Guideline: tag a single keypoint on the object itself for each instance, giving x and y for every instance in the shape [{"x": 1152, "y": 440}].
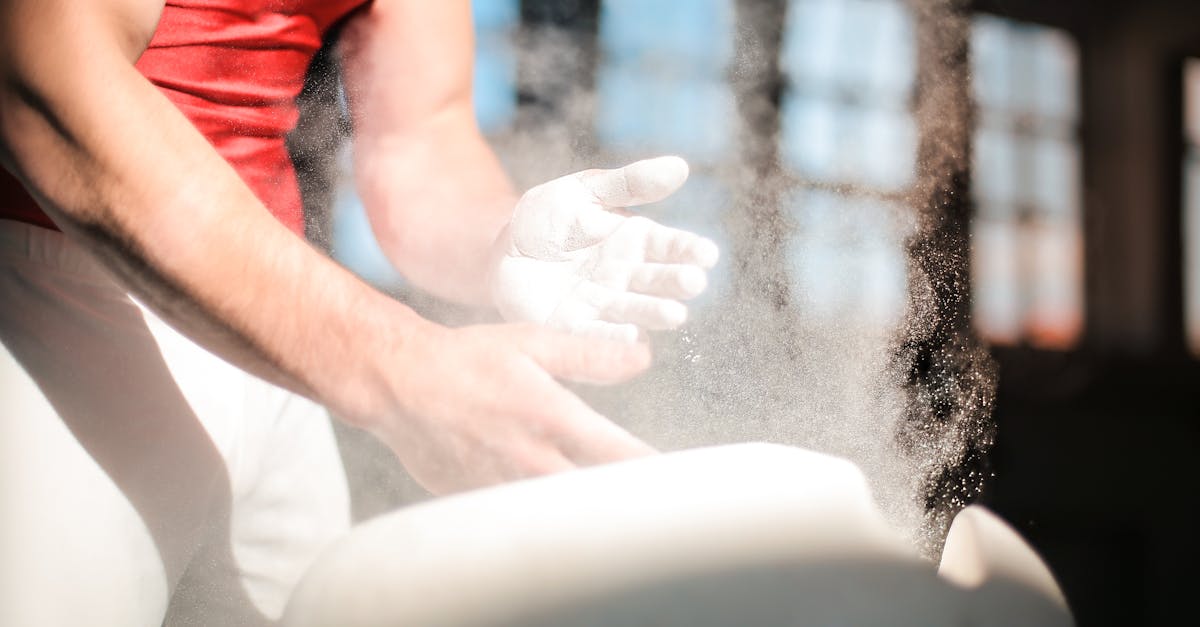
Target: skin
[
  {"x": 116, "y": 165},
  {"x": 407, "y": 73}
]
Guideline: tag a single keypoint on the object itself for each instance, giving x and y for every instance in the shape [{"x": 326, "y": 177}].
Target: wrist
[
  {"x": 499, "y": 250},
  {"x": 389, "y": 345}
]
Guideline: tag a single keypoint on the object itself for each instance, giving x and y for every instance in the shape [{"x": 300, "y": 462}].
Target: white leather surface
[{"x": 755, "y": 534}]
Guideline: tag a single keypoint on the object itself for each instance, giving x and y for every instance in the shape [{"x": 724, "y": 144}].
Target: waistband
[{"x": 25, "y": 243}]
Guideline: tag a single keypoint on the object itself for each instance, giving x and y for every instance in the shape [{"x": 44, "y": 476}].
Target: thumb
[
  {"x": 585, "y": 359},
  {"x": 638, "y": 183}
]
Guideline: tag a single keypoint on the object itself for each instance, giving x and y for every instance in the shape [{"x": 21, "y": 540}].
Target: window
[
  {"x": 1027, "y": 239},
  {"x": 849, "y": 139},
  {"x": 662, "y": 89}
]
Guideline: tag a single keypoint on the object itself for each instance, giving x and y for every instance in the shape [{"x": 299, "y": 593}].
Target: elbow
[
  {"x": 399, "y": 237},
  {"x": 26, "y": 148},
  {"x": 17, "y": 117},
  {"x": 413, "y": 247},
  {"x": 41, "y": 85},
  {"x": 25, "y": 112},
  {"x": 393, "y": 223},
  {"x": 39, "y": 150}
]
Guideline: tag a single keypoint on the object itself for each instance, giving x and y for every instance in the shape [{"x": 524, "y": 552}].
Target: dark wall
[{"x": 1096, "y": 447}]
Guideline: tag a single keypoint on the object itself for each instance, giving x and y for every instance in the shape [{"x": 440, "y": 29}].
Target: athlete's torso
[{"x": 234, "y": 68}]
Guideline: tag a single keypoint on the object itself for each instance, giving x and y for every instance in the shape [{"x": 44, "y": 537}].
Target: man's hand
[
  {"x": 480, "y": 405},
  {"x": 573, "y": 259}
]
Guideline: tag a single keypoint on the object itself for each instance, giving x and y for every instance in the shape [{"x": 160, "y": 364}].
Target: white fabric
[
  {"x": 134, "y": 465},
  {"x": 575, "y": 261}
]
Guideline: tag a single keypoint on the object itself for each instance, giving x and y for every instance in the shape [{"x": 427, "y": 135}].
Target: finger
[
  {"x": 593, "y": 439},
  {"x": 545, "y": 461},
  {"x": 601, "y": 330},
  {"x": 622, "y": 307},
  {"x": 638, "y": 183},
  {"x": 675, "y": 281},
  {"x": 648, "y": 312},
  {"x": 585, "y": 359},
  {"x": 667, "y": 245},
  {"x": 513, "y": 457}
]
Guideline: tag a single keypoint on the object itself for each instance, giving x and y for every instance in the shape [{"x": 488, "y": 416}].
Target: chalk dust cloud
[{"x": 906, "y": 395}]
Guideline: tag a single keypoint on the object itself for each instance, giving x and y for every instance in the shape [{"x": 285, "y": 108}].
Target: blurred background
[{"x": 1037, "y": 164}]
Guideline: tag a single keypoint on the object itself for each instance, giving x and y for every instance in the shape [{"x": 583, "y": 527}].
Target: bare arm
[
  {"x": 571, "y": 257},
  {"x": 81, "y": 126},
  {"x": 121, "y": 170},
  {"x": 435, "y": 193}
]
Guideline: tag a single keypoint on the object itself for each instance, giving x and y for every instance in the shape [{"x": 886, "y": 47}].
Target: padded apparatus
[{"x": 745, "y": 534}]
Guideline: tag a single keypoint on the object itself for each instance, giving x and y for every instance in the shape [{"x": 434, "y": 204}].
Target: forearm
[
  {"x": 120, "y": 169},
  {"x": 437, "y": 199}
]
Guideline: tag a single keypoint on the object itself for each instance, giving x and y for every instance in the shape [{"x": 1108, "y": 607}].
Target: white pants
[{"x": 142, "y": 479}]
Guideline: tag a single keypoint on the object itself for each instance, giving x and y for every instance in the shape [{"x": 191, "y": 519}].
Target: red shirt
[{"x": 234, "y": 68}]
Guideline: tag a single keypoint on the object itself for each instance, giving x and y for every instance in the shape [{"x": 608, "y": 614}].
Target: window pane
[
  {"x": 1024, "y": 57},
  {"x": 994, "y": 172},
  {"x": 887, "y": 158},
  {"x": 1055, "y": 317},
  {"x": 863, "y": 46},
  {"x": 495, "y": 62},
  {"x": 649, "y": 115},
  {"x": 661, "y": 83},
  {"x": 990, "y": 61},
  {"x": 847, "y": 259},
  {"x": 682, "y": 38},
  {"x": 1057, "y": 69},
  {"x": 996, "y": 289},
  {"x": 880, "y": 56},
  {"x": 1055, "y": 177},
  {"x": 811, "y": 43},
  {"x": 810, "y": 136}
]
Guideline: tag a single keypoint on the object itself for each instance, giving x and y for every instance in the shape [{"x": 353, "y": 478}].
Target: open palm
[{"x": 575, "y": 260}]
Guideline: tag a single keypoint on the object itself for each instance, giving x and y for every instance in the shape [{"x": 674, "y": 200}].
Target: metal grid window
[
  {"x": 1027, "y": 234},
  {"x": 849, "y": 140}
]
